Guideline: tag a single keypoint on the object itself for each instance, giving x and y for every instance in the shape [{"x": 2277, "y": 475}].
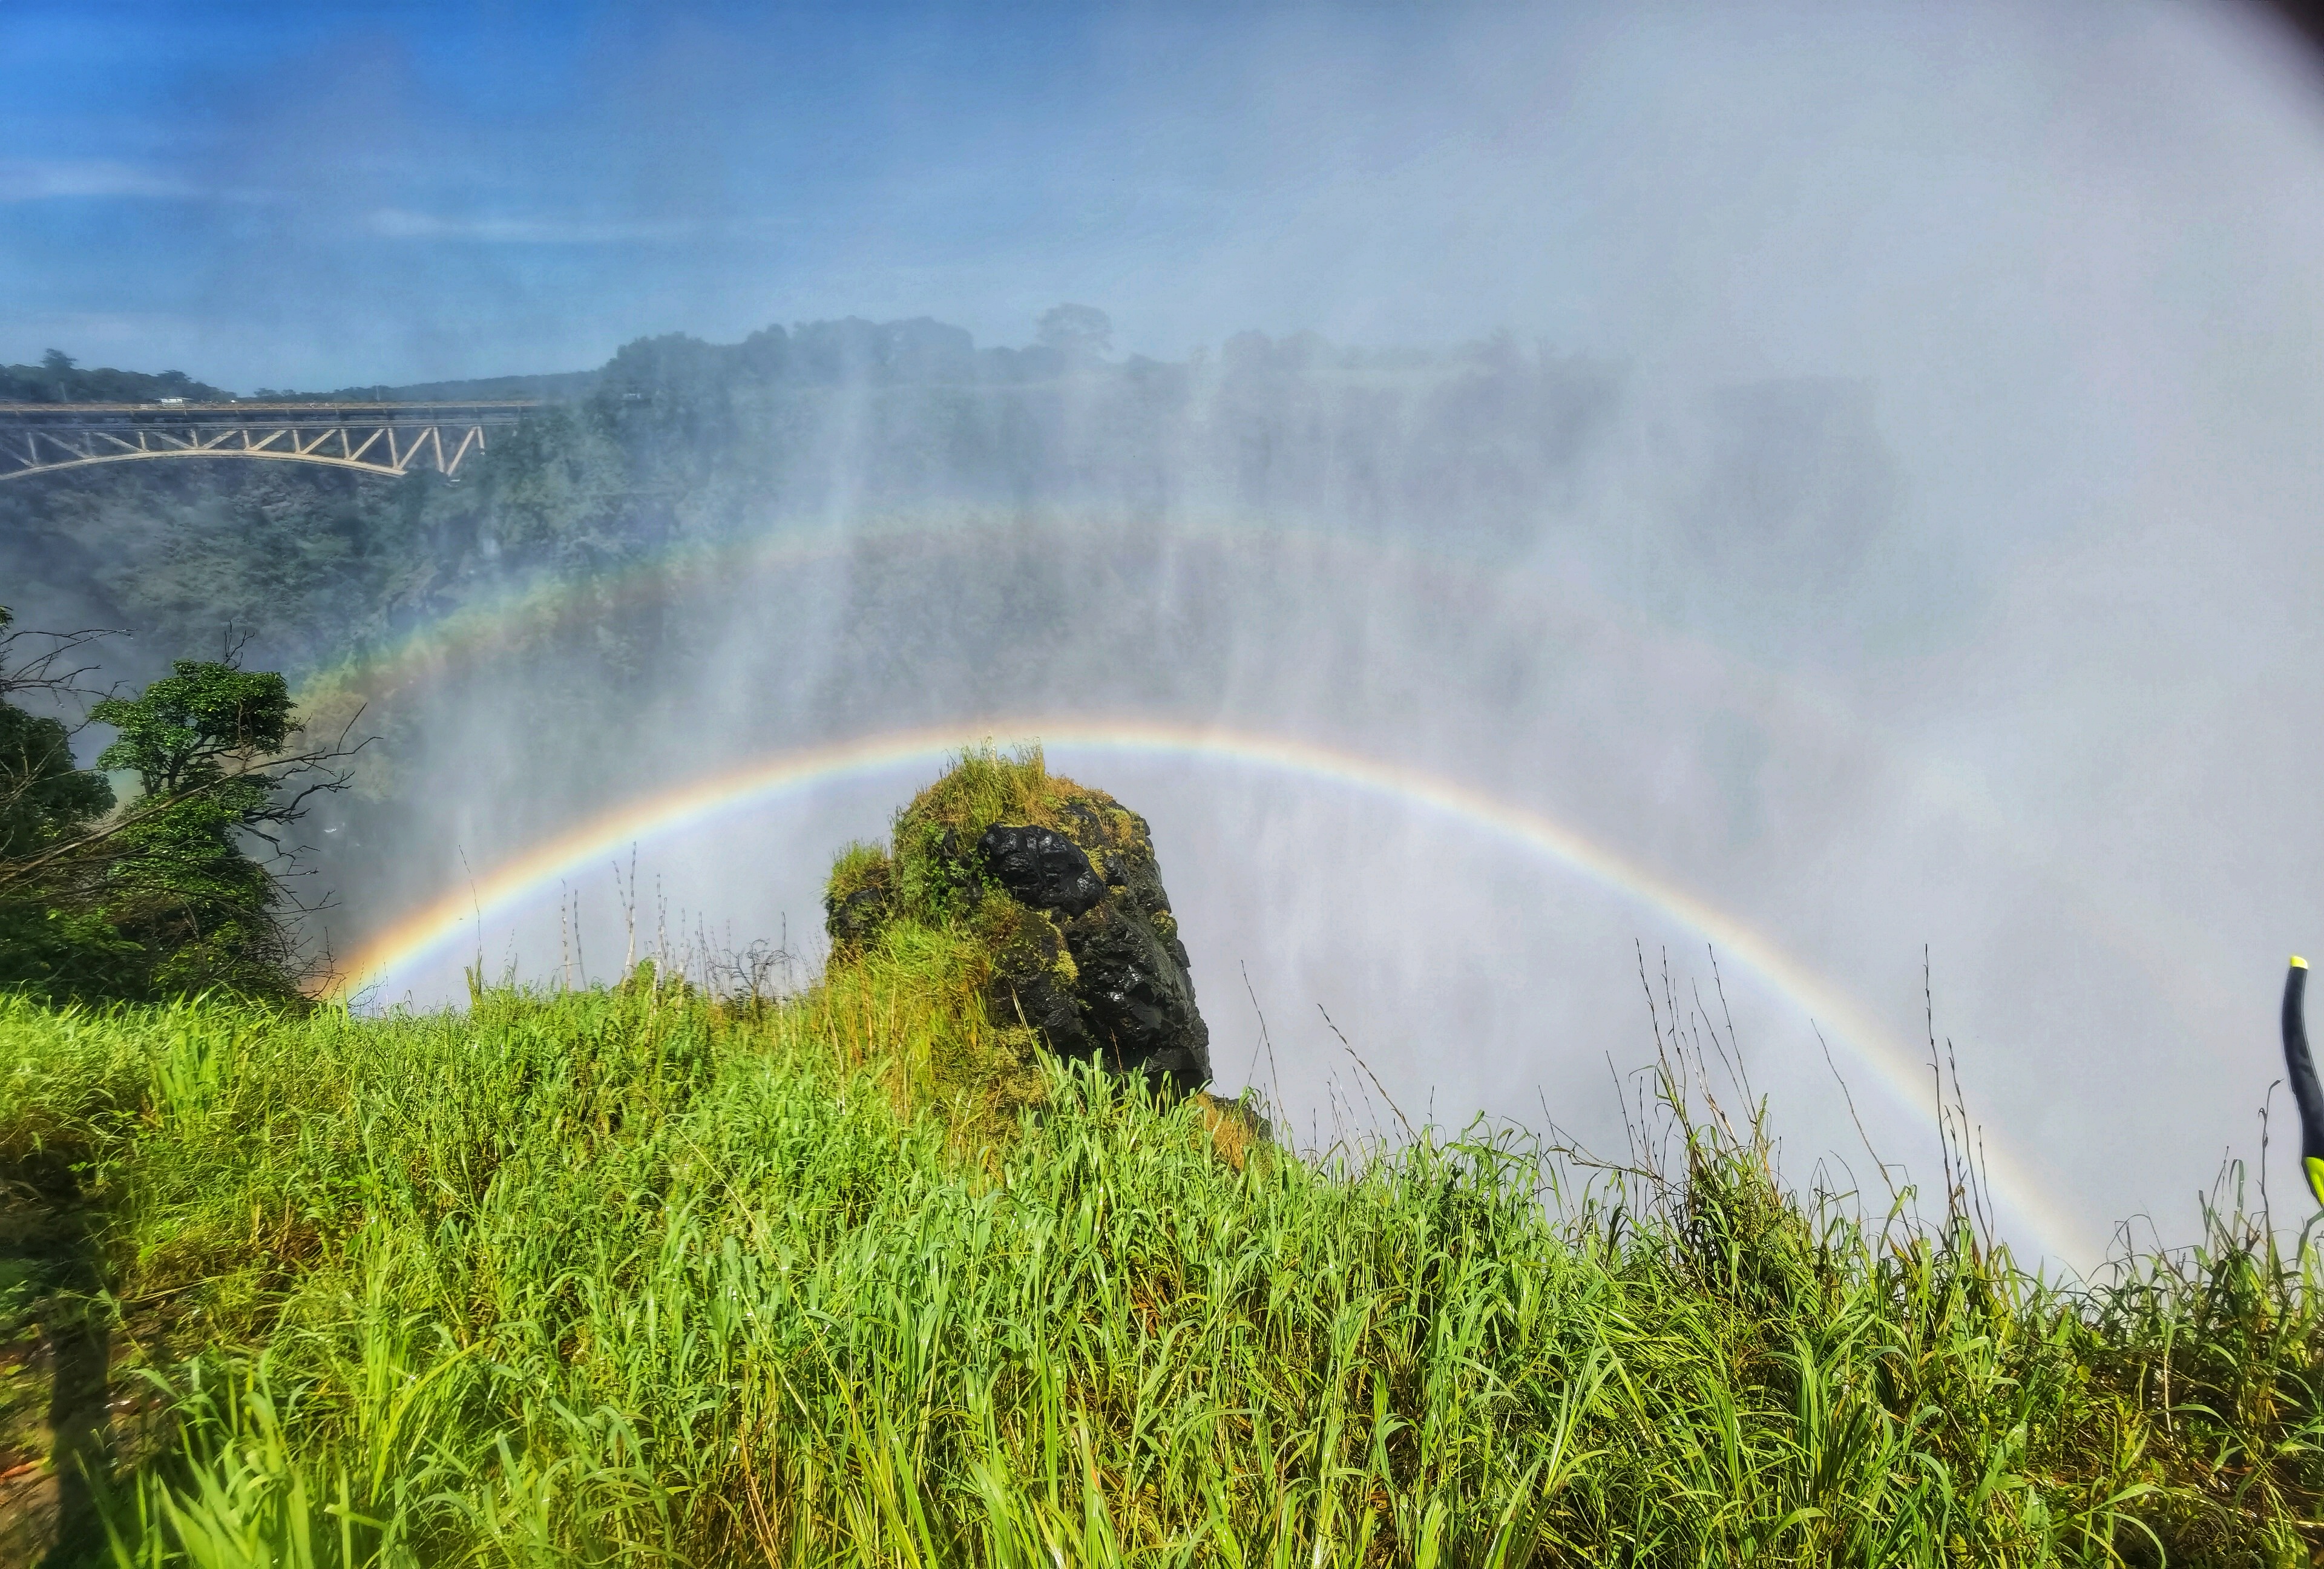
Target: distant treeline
[
  {"x": 678, "y": 441},
  {"x": 921, "y": 351},
  {"x": 1779, "y": 493},
  {"x": 60, "y": 379}
]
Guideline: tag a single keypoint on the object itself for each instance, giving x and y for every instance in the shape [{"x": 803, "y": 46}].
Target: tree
[
  {"x": 161, "y": 895},
  {"x": 1080, "y": 333},
  {"x": 179, "y": 883},
  {"x": 43, "y": 793},
  {"x": 46, "y": 800}
]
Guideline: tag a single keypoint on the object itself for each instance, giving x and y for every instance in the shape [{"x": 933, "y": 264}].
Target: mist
[{"x": 1857, "y": 467}]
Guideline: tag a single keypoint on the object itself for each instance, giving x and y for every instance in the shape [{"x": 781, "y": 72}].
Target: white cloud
[
  {"x": 403, "y": 223},
  {"x": 51, "y": 179},
  {"x": 42, "y": 179}
]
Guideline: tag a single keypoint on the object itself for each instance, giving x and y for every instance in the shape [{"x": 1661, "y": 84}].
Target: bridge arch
[{"x": 391, "y": 440}]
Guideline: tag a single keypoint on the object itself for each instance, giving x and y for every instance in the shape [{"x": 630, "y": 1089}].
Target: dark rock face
[
  {"x": 1040, "y": 867},
  {"x": 1136, "y": 991},
  {"x": 1086, "y": 951},
  {"x": 855, "y": 918},
  {"x": 858, "y": 901}
]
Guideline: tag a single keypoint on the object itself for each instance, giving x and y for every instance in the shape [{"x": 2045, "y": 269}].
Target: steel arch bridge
[{"x": 386, "y": 438}]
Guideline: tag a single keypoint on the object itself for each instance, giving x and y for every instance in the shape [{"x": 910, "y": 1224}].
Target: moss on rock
[
  {"x": 1057, "y": 886},
  {"x": 859, "y": 896}
]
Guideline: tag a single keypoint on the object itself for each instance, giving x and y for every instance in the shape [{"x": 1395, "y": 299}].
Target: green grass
[{"x": 627, "y": 1277}]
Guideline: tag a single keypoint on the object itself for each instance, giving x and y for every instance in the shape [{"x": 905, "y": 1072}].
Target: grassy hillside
[{"x": 627, "y": 1275}]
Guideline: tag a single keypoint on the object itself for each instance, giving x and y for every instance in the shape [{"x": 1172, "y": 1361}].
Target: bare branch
[
  {"x": 39, "y": 661},
  {"x": 275, "y": 771}
]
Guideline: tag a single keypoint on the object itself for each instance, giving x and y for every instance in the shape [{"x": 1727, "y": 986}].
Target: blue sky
[
  {"x": 302, "y": 193},
  {"x": 315, "y": 195}
]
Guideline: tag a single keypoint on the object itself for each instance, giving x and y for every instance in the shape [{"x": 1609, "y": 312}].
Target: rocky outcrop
[
  {"x": 1095, "y": 963},
  {"x": 1059, "y": 884}
]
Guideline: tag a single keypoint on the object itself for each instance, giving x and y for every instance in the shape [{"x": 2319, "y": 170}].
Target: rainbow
[
  {"x": 2154, "y": 937},
  {"x": 539, "y": 606},
  {"x": 432, "y": 928},
  {"x": 464, "y": 637}
]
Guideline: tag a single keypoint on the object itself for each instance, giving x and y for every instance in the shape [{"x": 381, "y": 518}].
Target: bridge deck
[
  {"x": 386, "y": 438},
  {"x": 252, "y": 412}
]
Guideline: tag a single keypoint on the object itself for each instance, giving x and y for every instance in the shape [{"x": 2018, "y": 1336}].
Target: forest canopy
[{"x": 58, "y": 378}]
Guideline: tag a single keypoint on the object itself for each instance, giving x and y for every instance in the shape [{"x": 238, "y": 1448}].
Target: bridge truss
[{"x": 384, "y": 438}]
